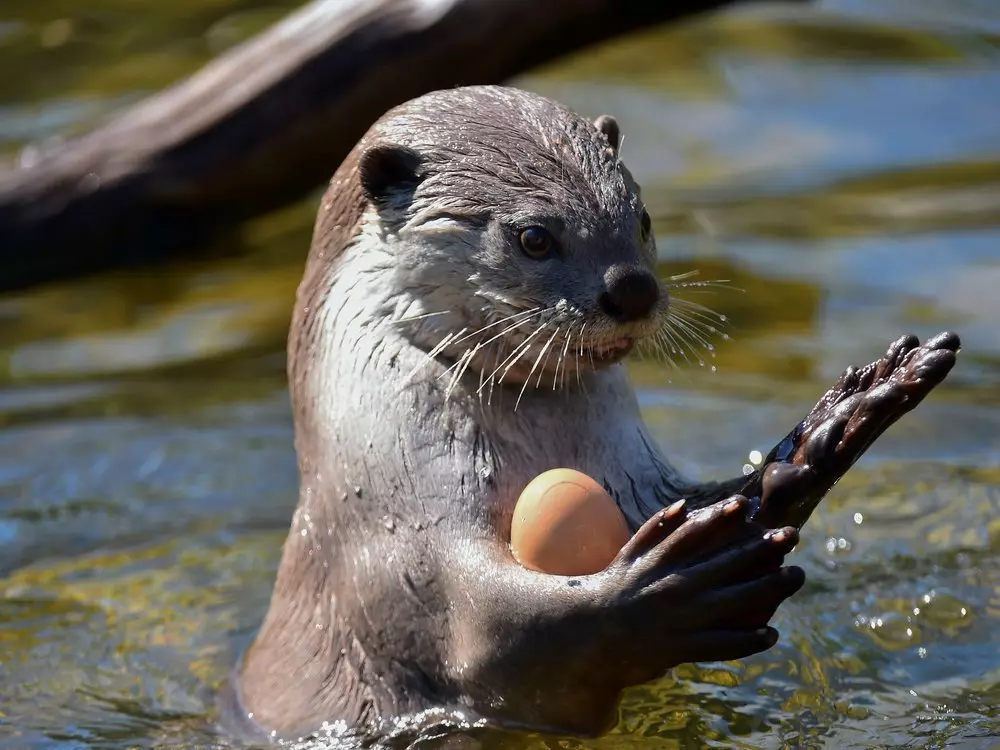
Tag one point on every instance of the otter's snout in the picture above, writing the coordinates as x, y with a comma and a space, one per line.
631, 293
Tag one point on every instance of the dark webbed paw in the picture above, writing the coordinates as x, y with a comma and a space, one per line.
860, 406
701, 585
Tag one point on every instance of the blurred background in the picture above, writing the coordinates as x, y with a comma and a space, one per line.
838, 165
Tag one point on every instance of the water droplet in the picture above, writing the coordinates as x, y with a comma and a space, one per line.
710, 348
725, 337
723, 318
714, 368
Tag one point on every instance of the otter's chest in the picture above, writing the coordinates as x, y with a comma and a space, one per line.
600, 433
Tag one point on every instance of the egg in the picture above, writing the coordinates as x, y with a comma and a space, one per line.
565, 523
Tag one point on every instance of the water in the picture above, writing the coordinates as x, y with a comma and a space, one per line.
839, 168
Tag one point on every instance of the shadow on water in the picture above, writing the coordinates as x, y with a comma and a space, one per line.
837, 168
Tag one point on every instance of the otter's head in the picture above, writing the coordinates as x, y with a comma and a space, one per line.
521, 246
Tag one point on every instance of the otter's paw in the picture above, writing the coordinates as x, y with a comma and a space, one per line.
698, 586
860, 406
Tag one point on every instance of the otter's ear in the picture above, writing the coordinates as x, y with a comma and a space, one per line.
609, 126
386, 169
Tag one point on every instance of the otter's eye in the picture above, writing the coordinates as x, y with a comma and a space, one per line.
536, 242
645, 225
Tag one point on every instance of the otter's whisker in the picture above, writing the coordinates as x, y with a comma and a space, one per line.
590, 353
680, 281
524, 348
684, 336
424, 316
700, 286
705, 327
515, 355
654, 347
579, 355
707, 322
479, 391
523, 315
562, 360
696, 329
499, 335
664, 345
676, 347
682, 276
691, 330
460, 366
443, 344
687, 304
688, 324
505, 331
669, 346
658, 343
690, 339
546, 351
579, 379
531, 372
676, 298
492, 378
432, 354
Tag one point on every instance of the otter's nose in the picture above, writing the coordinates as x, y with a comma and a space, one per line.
632, 293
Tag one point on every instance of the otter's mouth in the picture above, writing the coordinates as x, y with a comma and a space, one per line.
610, 351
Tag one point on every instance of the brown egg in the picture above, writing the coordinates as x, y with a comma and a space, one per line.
566, 524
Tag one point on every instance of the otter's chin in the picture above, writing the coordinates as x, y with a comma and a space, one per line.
610, 352
573, 360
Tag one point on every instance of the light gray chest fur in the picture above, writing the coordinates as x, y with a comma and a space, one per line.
420, 456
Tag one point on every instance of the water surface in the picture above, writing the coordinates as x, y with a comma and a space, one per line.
839, 167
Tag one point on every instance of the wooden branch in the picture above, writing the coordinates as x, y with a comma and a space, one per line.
270, 120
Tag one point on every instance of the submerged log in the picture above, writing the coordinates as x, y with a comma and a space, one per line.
270, 120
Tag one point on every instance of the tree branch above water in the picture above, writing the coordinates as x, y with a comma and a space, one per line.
269, 121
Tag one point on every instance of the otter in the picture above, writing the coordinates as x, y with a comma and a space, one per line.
481, 267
